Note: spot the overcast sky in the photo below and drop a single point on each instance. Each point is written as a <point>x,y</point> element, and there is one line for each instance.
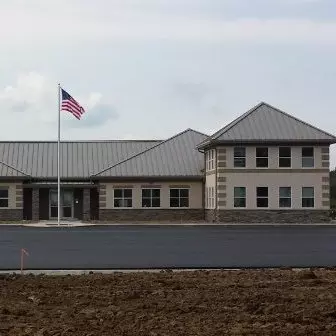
<point>148,69</point>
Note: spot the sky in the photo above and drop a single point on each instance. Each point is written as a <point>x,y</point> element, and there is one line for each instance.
<point>148,69</point>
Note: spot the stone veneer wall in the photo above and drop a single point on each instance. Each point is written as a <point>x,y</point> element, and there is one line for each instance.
<point>35,204</point>
<point>325,179</point>
<point>11,214</point>
<point>210,215</point>
<point>86,204</point>
<point>272,216</point>
<point>151,215</point>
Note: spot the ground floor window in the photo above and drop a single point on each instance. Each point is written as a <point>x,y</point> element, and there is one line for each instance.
<point>308,197</point>
<point>210,197</point>
<point>179,198</point>
<point>285,197</point>
<point>150,198</point>
<point>122,198</point>
<point>262,197</point>
<point>239,197</point>
<point>3,197</point>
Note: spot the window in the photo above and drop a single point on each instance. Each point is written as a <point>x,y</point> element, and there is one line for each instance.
<point>179,198</point>
<point>150,198</point>
<point>308,157</point>
<point>239,197</point>
<point>285,157</point>
<point>262,157</point>
<point>3,197</point>
<point>262,197</point>
<point>308,197</point>
<point>285,197</point>
<point>239,157</point>
<point>210,159</point>
<point>122,198</point>
<point>210,197</point>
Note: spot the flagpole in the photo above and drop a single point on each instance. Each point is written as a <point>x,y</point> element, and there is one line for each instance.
<point>58,157</point>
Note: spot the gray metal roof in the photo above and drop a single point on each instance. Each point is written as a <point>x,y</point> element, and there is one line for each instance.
<point>78,159</point>
<point>176,156</point>
<point>6,170</point>
<point>267,123</point>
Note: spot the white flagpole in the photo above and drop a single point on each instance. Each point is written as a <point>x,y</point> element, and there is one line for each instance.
<point>58,157</point>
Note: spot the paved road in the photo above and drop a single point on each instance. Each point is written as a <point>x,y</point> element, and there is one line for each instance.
<point>125,247</point>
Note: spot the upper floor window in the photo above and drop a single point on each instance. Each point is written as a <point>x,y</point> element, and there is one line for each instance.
<point>285,157</point>
<point>239,159</point>
<point>239,197</point>
<point>262,157</point>
<point>3,197</point>
<point>122,198</point>
<point>308,197</point>
<point>210,159</point>
<point>285,197</point>
<point>262,197</point>
<point>150,198</point>
<point>308,157</point>
<point>179,198</point>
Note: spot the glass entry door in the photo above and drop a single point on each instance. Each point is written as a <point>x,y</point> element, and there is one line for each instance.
<point>66,203</point>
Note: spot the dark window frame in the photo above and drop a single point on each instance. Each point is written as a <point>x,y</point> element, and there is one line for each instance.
<point>307,202</point>
<point>307,158</point>
<point>285,198</point>
<point>239,201</point>
<point>262,198</point>
<point>285,158</point>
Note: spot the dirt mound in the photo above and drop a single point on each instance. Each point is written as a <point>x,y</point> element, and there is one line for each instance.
<point>251,302</point>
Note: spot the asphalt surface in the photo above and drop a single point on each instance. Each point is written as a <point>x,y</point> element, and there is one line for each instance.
<point>134,247</point>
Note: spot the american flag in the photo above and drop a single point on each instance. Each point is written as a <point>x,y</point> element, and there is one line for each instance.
<point>71,105</point>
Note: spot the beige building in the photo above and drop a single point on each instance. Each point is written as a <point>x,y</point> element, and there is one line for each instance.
<point>266,166</point>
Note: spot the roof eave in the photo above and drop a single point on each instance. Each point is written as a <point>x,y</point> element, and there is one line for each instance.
<point>148,178</point>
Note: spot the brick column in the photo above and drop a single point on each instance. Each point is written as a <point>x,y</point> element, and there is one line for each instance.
<point>86,204</point>
<point>35,204</point>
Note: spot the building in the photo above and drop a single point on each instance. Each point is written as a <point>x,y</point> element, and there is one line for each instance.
<point>265,166</point>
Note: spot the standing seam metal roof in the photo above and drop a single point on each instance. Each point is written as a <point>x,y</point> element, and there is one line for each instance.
<point>267,123</point>
<point>78,159</point>
<point>176,156</point>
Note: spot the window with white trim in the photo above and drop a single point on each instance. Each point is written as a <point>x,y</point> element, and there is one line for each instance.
<point>210,198</point>
<point>285,157</point>
<point>210,159</point>
<point>262,157</point>
<point>285,197</point>
<point>122,198</point>
<point>179,198</point>
<point>308,157</point>
<point>3,197</point>
<point>262,197</point>
<point>308,197</point>
<point>150,198</point>
<point>239,197</point>
<point>239,157</point>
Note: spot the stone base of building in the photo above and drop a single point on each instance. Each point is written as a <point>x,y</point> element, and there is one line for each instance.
<point>11,214</point>
<point>210,215</point>
<point>151,215</point>
<point>271,216</point>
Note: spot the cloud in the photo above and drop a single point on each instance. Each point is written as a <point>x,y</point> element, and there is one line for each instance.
<point>34,97</point>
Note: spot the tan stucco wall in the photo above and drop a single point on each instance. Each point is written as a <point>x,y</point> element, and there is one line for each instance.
<point>195,193</point>
<point>273,181</point>
<point>273,158</point>
<point>14,195</point>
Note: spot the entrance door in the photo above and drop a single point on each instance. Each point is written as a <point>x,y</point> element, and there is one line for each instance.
<point>66,203</point>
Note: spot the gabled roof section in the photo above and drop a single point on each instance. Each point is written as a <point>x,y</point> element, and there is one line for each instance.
<point>8,171</point>
<point>176,156</point>
<point>267,123</point>
<point>79,159</point>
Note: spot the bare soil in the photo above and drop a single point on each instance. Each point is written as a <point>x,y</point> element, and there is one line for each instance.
<point>247,302</point>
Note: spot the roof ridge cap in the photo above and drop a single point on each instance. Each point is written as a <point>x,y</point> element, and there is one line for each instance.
<point>11,167</point>
<point>145,151</point>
